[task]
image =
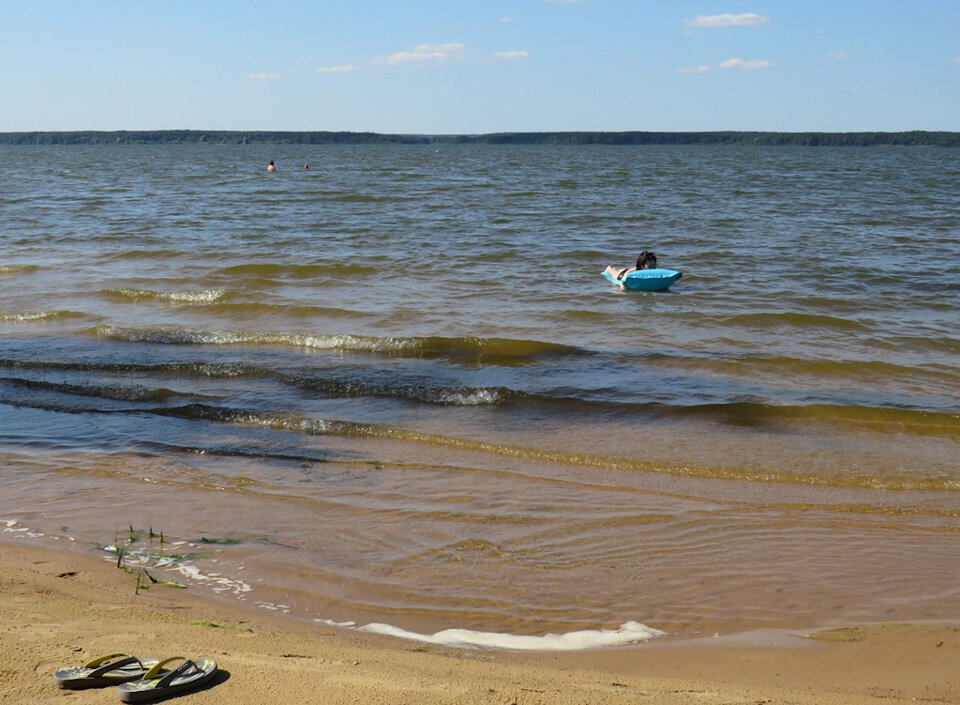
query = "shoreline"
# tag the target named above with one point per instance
(59, 608)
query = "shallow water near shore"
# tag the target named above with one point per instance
(394, 388)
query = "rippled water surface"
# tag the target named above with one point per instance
(394, 387)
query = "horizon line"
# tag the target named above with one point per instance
(910, 138)
(474, 134)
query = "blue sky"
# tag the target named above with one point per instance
(476, 66)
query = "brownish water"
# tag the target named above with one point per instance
(427, 537)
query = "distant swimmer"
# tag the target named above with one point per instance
(306, 167)
(271, 167)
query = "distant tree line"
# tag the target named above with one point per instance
(806, 139)
(204, 137)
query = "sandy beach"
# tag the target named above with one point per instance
(60, 609)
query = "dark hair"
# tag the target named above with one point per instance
(647, 260)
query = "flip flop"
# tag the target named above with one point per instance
(159, 682)
(112, 669)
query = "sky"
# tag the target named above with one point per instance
(480, 66)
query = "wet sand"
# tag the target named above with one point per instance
(60, 608)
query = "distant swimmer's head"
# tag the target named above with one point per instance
(306, 167)
(271, 167)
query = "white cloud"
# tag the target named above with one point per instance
(746, 19)
(956, 60)
(264, 76)
(838, 55)
(516, 54)
(751, 65)
(346, 68)
(507, 19)
(429, 53)
(702, 68)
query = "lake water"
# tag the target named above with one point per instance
(394, 387)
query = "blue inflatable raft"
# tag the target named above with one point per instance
(646, 279)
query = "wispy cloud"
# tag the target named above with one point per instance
(702, 68)
(838, 55)
(956, 60)
(428, 53)
(506, 19)
(346, 68)
(746, 19)
(515, 54)
(734, 63)
(265, 76)
(752, 65)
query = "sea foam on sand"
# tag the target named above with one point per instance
(628, 633)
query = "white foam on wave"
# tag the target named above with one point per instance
(204, 296)
(201, 296)
(346, 342)
(477, 397)
(318, 426)
(29, 316)
(17, 268)
(627, 633)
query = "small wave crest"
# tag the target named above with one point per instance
(226, 370)
(502, 350)
(201, 296)
(17, 269)
(399, 389)
(37, 316)
(473, 397)
(116, 392)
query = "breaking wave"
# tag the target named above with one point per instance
(202, 296)
(37, 316)
(17, 269)
(460, 348)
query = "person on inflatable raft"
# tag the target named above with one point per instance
(646, 260)
(646, 276)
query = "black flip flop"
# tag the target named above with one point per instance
(159, 683)
(112, 669)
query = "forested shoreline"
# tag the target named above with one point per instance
(919, 138)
